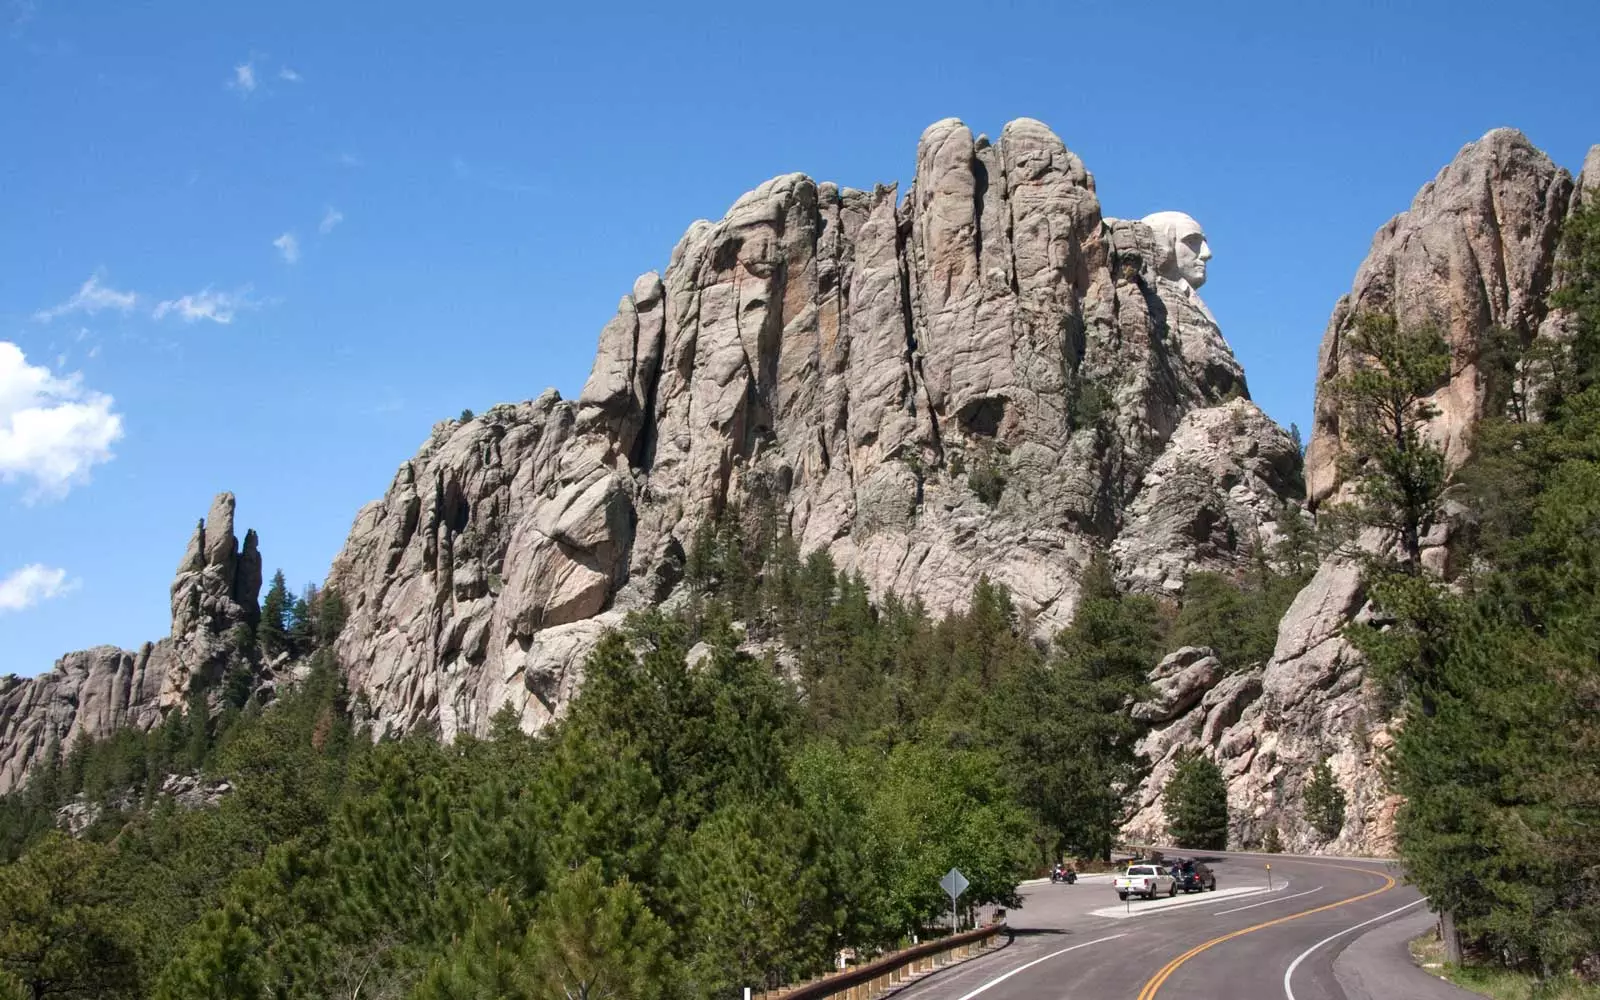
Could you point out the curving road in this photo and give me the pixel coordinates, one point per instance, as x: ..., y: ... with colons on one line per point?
x: 1243, y: 941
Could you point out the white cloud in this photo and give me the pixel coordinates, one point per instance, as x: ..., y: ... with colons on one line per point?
x: 350, y: 160
x: 289, y: 246
x: 244, y: 77
x: 331, y: 218
x: 91, y: 298
x: 288, y: 75
x: 218, y: 307
x: 52, y: 429
x: 31, y: 584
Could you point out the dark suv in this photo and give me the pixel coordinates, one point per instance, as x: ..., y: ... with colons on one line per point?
x: 1192, y: 876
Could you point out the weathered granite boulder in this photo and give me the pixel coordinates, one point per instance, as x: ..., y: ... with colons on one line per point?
x: 1178, y: 682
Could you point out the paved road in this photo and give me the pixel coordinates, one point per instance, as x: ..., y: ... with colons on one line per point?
x: 1244, y: 941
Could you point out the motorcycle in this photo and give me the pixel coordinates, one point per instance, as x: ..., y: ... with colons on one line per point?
x: 1060, y: 873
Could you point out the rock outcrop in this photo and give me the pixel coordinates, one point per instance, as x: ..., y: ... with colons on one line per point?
x: 1476, y: 250
x: 1214, y: 496
x: 97, y: 691
x: 849, y: 362
x: 983, y: 377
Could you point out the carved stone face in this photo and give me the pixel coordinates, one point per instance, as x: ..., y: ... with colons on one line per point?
x: 1185, y: 242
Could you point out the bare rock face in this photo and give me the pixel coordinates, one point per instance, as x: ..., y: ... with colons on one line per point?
x: 92, y: 693
x: 214, y: 592
x: 849, y: 362
x: 1267, y: 728
x: 1476, y: 250
x: 1215, y: 494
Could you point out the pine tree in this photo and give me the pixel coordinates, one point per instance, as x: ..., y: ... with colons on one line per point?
x: 1196, y: 803
x: 1384, y: 410
x: 1577, y: 293
x: 272, y: 630
x: 489, y: 961
x: 302, y: 624
x: 331, y: 614
x: 1324, y: 802
x: 60, y: 935
x: 591, y: 941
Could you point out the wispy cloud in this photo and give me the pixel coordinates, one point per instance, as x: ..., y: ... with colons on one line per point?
x: 330, y: 219
x: 52, y: 429
x: 208, y: 304
x: 244, y: 77
x: 289, y: 247
x: 492, y: 178
x: 31, y: 584
x: 349, y: 160
x: 288, y: 75
x: 91, y: 297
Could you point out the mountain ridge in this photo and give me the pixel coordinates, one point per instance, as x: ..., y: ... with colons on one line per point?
x: 982, y: 378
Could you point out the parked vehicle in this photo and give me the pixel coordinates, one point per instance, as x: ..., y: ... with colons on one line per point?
x: 1147, y: 881
x: 1192, y: 876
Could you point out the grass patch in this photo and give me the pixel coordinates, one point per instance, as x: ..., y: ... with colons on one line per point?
x: 1501, y: 984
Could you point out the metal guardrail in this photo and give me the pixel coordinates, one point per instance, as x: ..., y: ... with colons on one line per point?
x: 864, y: 982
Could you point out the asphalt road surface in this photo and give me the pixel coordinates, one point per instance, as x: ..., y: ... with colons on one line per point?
x: 1245, y: 940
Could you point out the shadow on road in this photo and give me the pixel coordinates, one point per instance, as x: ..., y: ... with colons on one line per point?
x: 1037, y: 931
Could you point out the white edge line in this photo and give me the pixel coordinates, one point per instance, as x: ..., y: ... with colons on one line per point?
x: 1288, y: 991
x: 1000, y: 979
x: 1280, y: 899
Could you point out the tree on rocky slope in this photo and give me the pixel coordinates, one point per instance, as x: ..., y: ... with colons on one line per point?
x: 1498, y: 760
x: 1399, y: 474
x: 1577, y: 290
x: 273, y: 629
x: 1197, y: 804
x: 1324, y: 802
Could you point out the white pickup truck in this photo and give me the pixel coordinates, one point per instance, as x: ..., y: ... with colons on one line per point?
x: 1147, y: 881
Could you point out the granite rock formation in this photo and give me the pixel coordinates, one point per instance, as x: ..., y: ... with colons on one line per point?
x: 94, y: 692
x: 1476, y: 250
x: 847, y: 361
x: 853, y: 363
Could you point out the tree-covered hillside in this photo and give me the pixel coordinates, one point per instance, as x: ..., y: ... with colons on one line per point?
x: 1495, y: 674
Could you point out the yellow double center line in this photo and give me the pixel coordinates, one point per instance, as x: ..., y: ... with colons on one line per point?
x: 1167, y: 970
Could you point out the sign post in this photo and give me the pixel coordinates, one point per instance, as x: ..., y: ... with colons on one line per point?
x: 954, y: 884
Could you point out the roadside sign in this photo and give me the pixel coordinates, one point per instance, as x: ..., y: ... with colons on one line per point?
x: 954, y: 884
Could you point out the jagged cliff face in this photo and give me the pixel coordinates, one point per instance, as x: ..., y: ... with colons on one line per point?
x: 850, y: 362
x: 847, y: 360
x: 1476, y: 250
x: 92, y: 693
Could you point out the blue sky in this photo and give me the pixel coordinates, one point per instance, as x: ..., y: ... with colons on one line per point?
x: 263, y: 247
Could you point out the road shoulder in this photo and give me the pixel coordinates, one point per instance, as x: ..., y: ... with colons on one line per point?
x: 1377, y: 965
